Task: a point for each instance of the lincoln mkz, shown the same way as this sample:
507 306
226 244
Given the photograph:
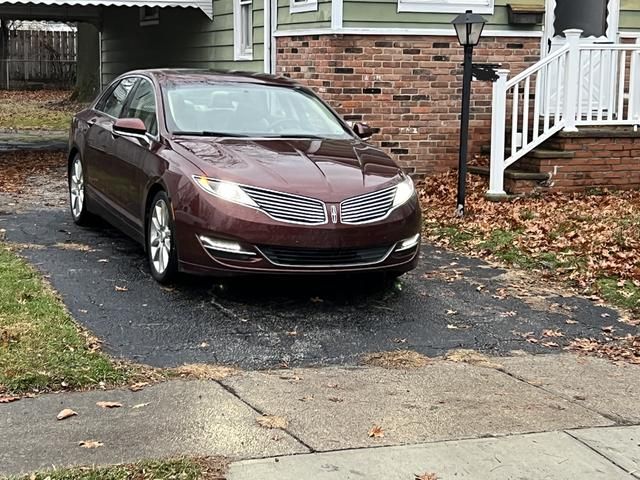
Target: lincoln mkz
225 173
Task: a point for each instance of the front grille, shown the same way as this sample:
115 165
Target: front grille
287 207
368 207
323 257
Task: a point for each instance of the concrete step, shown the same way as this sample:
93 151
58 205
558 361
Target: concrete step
511 174
540 152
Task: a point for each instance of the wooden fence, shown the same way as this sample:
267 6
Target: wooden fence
38 56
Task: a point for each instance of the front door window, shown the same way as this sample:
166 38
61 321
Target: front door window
587 15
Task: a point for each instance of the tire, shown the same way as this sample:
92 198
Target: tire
77 193
160 239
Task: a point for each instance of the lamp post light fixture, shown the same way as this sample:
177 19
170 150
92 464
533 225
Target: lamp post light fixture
468 27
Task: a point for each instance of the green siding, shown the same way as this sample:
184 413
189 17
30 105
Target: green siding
384 14
185 37
304 20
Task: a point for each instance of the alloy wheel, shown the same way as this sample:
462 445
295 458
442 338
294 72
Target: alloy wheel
76 188
160 236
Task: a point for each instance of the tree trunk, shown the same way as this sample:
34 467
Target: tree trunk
88 64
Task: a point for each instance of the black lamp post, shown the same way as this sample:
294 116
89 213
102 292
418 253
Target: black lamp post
468 28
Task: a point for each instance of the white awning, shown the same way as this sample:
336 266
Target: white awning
205 5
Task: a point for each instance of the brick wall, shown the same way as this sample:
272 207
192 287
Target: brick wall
601 158
407 86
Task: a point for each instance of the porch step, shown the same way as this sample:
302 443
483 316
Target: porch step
535 153
511 174
518 182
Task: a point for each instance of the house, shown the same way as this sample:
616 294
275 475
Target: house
395 64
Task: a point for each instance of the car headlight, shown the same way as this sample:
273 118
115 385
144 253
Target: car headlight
226 190
404 192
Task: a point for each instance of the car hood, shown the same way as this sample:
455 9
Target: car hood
327 169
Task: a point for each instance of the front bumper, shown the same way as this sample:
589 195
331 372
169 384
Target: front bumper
218 237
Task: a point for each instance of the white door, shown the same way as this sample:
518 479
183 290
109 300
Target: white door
598 19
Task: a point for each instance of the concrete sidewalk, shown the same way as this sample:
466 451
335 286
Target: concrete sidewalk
591 454
329 412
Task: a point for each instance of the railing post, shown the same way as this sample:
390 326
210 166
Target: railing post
571 79
498 121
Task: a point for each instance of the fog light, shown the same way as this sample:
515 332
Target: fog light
226 246
408 243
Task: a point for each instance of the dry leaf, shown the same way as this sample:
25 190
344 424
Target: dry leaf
121 289
9 399
336 399
452 312
570 322
376 432
109 404
272 421
550 344
426 476
508 314
141 405
90 444
306 398
136 387
66 413
552 333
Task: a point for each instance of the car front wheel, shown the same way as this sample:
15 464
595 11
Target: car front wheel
77 199
161 245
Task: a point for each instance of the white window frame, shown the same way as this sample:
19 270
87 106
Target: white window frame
240 51
299 6
149 16
446 6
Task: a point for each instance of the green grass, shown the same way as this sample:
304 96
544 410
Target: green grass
41 348
180 469
624 294
36 110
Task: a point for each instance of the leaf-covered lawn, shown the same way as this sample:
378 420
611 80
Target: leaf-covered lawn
180 469
36 110
17 168
41 348
591 241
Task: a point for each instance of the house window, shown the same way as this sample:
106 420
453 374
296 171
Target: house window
243 29
297 6
446 6
149 16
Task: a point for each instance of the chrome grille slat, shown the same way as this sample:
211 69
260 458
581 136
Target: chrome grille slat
287 207
320 257
369 207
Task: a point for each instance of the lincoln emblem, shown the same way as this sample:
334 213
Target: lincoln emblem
334 214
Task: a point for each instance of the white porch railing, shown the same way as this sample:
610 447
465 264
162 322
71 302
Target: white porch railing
579 84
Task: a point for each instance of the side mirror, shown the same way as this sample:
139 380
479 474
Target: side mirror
363 130
130 127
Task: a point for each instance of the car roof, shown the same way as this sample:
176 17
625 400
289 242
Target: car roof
189 75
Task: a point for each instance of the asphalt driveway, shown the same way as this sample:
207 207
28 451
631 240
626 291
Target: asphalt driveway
448 302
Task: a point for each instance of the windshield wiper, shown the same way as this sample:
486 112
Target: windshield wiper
206 133
296 135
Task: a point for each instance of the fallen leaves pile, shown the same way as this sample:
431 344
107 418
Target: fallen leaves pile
396 359
16 168
625 349
576 237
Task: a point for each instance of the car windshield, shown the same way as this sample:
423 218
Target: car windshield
244 109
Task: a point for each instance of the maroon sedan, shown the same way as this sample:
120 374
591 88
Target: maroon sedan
220 173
